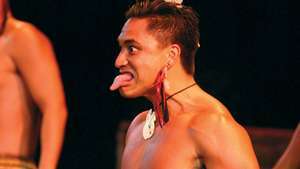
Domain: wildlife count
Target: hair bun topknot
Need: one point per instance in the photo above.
(174, 1)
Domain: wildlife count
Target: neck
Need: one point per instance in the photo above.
(176, 88)
(182, 97)
(175, 84)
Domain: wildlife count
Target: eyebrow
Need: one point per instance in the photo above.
(128, 41)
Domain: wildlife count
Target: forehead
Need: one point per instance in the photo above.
(136, 29)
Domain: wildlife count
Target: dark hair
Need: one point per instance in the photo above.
(171, 23)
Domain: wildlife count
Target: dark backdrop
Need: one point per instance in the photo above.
(248, 59)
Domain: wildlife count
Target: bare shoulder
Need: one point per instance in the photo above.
(215, 123)
(27, 33)
(220, 138)
(27, 41)
(139, 119)
(136, 122)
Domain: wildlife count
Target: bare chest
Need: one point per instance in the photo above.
(6, 62)
(169, 147)
(13, 92)
(9, 79)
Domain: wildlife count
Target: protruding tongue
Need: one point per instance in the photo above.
(119, 80)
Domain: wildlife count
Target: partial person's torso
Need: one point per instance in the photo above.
(170, 147)
(18, 121)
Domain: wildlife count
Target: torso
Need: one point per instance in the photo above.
(169, 147)
(18, 130)
(183, 142)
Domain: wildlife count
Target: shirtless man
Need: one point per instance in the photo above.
(158, 45)
(29, 80)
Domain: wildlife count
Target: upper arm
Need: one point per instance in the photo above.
(35, 61)
(225, 144)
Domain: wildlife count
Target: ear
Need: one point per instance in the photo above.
(173, 55)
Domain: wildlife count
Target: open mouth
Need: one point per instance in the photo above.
(123, 79)
(126, 77)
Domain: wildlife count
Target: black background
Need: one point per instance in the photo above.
(248, 59)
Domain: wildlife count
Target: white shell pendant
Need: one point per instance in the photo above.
(149, 125)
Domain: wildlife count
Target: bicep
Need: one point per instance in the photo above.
(234, 151)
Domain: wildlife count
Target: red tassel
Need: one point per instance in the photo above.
(160, 104)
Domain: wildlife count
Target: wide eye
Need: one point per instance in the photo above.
(132, 49)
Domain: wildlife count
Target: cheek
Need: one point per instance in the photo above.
(148, 73)
(153, 62)
(147, 67)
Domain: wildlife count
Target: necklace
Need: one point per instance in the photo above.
(179, 91)
(149, 126)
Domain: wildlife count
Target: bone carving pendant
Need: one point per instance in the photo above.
(149, 126)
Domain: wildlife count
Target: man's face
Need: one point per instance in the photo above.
(3, 12)
(141, 57)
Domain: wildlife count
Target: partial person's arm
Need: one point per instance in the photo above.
(224, 144)
(291, 156)
(35, 60)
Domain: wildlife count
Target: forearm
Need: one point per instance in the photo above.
(52, 136)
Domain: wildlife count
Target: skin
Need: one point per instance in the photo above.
(290, 158)
(29, 79)
(200, 129)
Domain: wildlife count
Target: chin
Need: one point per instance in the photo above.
(129, 93)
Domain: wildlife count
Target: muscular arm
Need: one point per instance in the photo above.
(35, 60)
(223, 144)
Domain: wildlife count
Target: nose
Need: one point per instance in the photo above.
(121, 60)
